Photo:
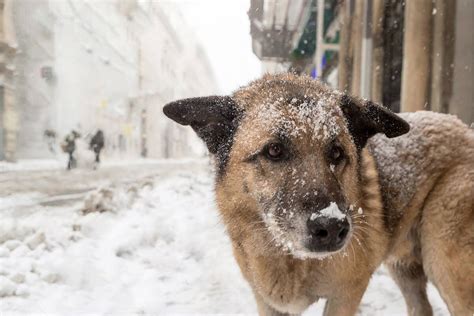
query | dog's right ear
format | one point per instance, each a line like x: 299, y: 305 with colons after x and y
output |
x: 213, y: 118
x: 366, y: 118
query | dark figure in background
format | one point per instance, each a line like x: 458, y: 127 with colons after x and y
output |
x: 96, y: 144
x: 69, y: 146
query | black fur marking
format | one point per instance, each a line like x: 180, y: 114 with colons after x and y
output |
x: 214, y: 119
x: 246, y: 187
x: 364, y: 121
x: 384, y: 194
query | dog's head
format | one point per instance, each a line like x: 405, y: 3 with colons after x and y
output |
x: 288, y: 151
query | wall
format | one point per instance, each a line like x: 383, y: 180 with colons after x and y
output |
x: 96, y: 70
x: 8, y: 111
x: 33, y: 23
x: 462, y: 101
x: 114, y: 65
x: 172, y: 66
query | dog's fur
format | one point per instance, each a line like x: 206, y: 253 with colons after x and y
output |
x: 409, y: 199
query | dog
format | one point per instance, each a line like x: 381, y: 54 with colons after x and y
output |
x: 317, y: 189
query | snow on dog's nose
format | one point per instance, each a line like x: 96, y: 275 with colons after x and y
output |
x: 328, y: 229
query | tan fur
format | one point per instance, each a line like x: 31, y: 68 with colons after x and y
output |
x: 433, y: 215
x: 411, y: 202
x: 282, y: 283
x: 290, y: 284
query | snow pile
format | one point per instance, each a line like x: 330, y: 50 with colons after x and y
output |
x: 159, y: 249
x: 162, y: 251
x: 112, y: 198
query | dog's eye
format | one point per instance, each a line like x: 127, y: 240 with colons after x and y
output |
x: 275, y: 151
x: 335, y: 154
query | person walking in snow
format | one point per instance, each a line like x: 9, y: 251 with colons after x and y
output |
x: 69, y: 146
x: 96, y: 144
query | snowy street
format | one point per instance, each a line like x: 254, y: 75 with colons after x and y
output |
x: 136, y: 97
x: 155, y: 245
x: 152, y: 251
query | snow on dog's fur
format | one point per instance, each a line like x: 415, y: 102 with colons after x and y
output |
x: 309, y: 214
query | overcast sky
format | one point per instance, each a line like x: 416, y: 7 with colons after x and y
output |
x: 224, y: 30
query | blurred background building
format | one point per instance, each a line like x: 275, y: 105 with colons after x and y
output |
x: 8, y: 118
x: 112, y: 65
x: 86, y: 65
x: 409, y: 55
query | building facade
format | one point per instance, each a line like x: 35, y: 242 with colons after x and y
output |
x: 8, y: 110
x: 420, y: 53
x: 110, y: 65
x: 408, y: 55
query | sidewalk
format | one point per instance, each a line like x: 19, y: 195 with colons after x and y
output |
x: 51, y: 178
x: 31, y: 164
x: 60, y: 163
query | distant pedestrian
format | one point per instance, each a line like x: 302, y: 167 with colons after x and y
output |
x: 69, y: 146
x: 96, y: 144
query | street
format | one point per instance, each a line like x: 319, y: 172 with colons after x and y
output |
x: 149, y: 91
x: 150, y: 242
x: 153, y: 250
x: 60, y: 181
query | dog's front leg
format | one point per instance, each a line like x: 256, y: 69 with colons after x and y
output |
x: 346, y: 304
x: 266, y: 310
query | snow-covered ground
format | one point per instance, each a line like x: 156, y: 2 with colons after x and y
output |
x: 151, y: 245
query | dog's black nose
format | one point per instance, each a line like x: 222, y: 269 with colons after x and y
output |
x: 327, y: 233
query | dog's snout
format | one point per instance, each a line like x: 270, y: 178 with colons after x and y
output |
x: 327, y: 233
x: 319, y: 202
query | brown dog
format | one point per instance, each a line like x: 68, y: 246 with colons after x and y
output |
x: 313, y: 206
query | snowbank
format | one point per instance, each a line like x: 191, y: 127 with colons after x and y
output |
x: 158, y: 247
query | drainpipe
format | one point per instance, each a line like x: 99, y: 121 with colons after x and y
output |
x: 416, y: 55
x: 319, y: 38
x: 366, y: 66
x: 377, y: 51
x: 321, y: 46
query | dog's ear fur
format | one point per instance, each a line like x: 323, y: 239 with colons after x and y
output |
x: 213, y: 118
x: 366, y: 118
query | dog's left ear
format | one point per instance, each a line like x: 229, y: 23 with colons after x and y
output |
x: 213, y: 118
x: 366, y: 118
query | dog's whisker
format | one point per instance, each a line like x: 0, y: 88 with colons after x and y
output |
x: 367, y: 227
x: 360, y: 243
